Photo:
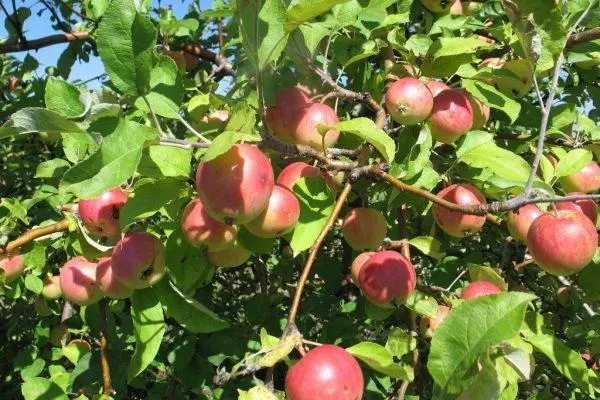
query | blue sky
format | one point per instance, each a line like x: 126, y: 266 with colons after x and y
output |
x: 36, y: 27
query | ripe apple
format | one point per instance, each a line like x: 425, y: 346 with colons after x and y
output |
x: 364, y: 228
x: 481, y: 111
x: 436, y: 87
x: 285, y: 109
x: 14, y: 84
x: 51, y: 289
x: 589, y: 208
x: 280, y: 216
x: 479, y: 288
x: 100, y: 215
x: 235, y: 187
x: 78, y: 281
x: 138, y: 260
x: 429, y: 326
x: 451, y: 116
x: 357, y: 264
x: 13, y: 266
x: 233, y: 256
x: 200, y: 229
x: 110, y: 285
x: 386, y: 276
x: 304, y: 126
x: 408, y: 101
x: 517, y: 86
x: 455, y: 223
x: 59, y: 335
x: 562, y: 243
x: 294, y: 171
x: 519, y: 221
x: 586, y: 180
x: 326, y: 372
x: 437, y: 6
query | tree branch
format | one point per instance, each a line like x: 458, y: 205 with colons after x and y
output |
x: 37, y: 44
x: 224, y: 67
x: 584, y: 36
x: 106, y: 386
x: 34, y: 234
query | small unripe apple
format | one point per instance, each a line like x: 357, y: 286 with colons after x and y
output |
x: 455, y: 223
x: 364, y: 228
x: 280, y: 216
x: 233, y: 256
x: 586, y: 180
x: 408, y: 101
x: 51, y: 289
x: 564, y: 243
x: 481, y: 112
x: 286, y: 104
x: 305, y: 122
x: 470, y: 7
x: 588, y: 207
x: 59, y: 335
x: 326, y: 372
x: 436, y: 87
x: 78, y: 281
x: 520, y: 85
x: 429, y: 325
x: 108, y: 283
x: 457, y: 8
x: 138, y: 260
x: 357, y: 264
x: 451, y: 116
x: 13, y: 266
x: 479, y: 288
x: 200, y: 229
x: 100, y: 215
x: 437, y: 6
x: 387, y: 276
x: 217, y: 117
x: 235, y: 187
x: 519, y: 221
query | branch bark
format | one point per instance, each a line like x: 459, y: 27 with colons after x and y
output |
x: 106, y: 386
x: 34, y: 234
x: 37, y: 44
x: 584, y: 36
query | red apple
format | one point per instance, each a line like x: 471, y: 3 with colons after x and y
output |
x: 294, y: 171
x: 364, y: 228
x: 437, y: 6
x: 51, y: 289
x: 78, y: 282
x: 588, y: 207
x: 586, y: 180
x: 408, y: 101
x: 100, y: 215
x: 110, y: 285
x: 200, y: 229
x: 138, y: 260
x: 386, y: 276
x: 305, y: 121
x: 519, y: 221
x: 233, y: 256
x: 429, y: 325
x: 326, y: 372
x: 235, y: 187
x: 451, y: 116
x: 14, y: 84
x: 280, y: 216
x: 455, y: 223
x: 13, y: 266
x: 481, y: 112
x: 479, y: 288
x: 357, y: 264
x: 564, y: 243
x: 217, y: 117
x: 285, y: 109
x: 437, y: 87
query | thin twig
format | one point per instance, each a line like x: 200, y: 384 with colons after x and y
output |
x: 154, y: 117
x: 34, y: 234
x: 590, y: 312
x: 191, y: 129
x: 106, y: 387
x: 181, y: 143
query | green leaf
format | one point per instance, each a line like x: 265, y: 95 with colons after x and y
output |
x: 501, y: 162
x: 573, y: 162
x: 472, y: 140
x: 29, y: 120
x: 52, y: 168
x: 482, y: 273
x: 453, y: 46
x: 487, y: 385
x: 400, y: 343
x: 166, y: 161
x: 380, y: 359
x: 367, y: 130
x: 167, y: 90
x: 242, y: 120
x: 316, y: 205
x: 568, y: 362
x: 493, y: 98
x: 148, y: 327
x: 187, y: 265
x: 115, y: 161
x: 63, y: 98
x: 73, y: 352
x: 222, y: 143
x: 422, y: 304
x: 126, y: 41
x: 468, y: 330
x: 147, y: 199
x: 302, y: 11
x: 42, y: 389
x: 429, y: 246
x: 418, y: 44
x: 257, y: 393
x: 34, y: 284
x: 187, y: 311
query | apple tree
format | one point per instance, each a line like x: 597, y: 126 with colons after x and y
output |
x: 302, y: 200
